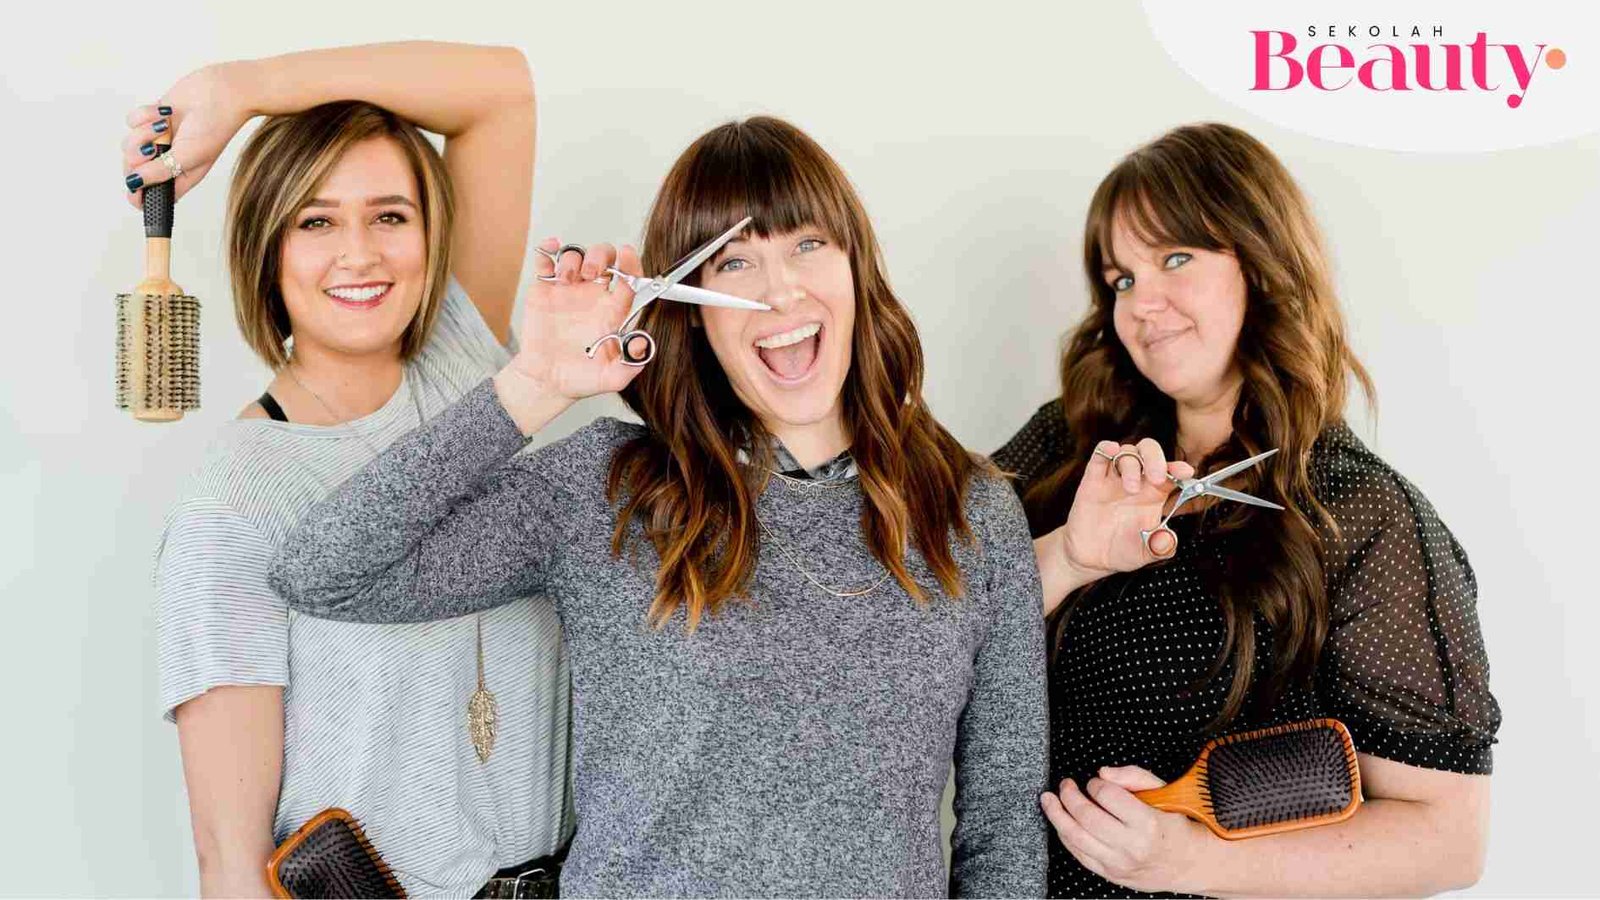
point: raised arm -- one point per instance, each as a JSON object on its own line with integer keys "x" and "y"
{"x": 446, "y": 522}
{"x": 1111, "y": 505}
{"x": 480, "y": 99}
{"x": 1002, "y": 744}
{"x": 443, "y": 524}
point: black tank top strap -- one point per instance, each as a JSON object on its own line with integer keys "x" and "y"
{"x": 274, "y": 411}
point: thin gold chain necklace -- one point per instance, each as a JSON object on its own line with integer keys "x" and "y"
{"x": 482, "y": 711}
{"x": 806, "y": 484}
{"x": 794, "y": 561}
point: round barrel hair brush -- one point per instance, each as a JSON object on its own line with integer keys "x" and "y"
{"x": 1268, "y": 781}
{"x": 158, "y": 325}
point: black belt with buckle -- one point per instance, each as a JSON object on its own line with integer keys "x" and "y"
{"x": 536, "y": 878}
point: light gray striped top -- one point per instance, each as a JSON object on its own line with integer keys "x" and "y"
{"x": 374, "y": 715}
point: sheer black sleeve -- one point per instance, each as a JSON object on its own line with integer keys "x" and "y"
{"x": 1404, "y": 664}
{"x": 1037, "y": 450}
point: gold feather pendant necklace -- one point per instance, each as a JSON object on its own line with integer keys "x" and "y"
{"x": 483, "y": 714}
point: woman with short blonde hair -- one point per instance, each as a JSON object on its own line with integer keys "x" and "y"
{"x": 375, "y": 276}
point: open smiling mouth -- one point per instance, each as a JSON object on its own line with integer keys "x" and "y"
{"x": 359, "y": 296}
{"x": 791, "y": 356}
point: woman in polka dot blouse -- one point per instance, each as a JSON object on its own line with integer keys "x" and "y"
{"x": 1214, "y": 334}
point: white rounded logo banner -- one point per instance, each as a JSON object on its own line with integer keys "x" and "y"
{"x": 1467, "y": 75}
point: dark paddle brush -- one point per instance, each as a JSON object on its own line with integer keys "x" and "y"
{"x": 330, "y": 856}
{"x": 1268, "y": 781}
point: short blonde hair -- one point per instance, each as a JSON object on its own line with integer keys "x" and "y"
{"x": 278, "y": 173}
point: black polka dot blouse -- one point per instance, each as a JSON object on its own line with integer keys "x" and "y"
{"x": 1403, "y": 665}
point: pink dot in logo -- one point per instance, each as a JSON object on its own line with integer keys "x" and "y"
{"x": 1514, "y": 101}
{"x": 1555, "y": 58}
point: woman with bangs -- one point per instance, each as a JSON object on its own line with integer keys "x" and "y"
{"x": 1213, "y": 334}
{"x": 792, "y": 600}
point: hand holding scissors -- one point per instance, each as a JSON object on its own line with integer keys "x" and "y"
{"x": 1191, "y": 488}
{"x": 636, "y": 346}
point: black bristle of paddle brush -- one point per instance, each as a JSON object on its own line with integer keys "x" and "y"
{"x": 1291, "y": 774}
{"x": 337, "y": 861}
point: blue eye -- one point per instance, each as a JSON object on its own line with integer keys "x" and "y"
{"x": 809, "y": 244}
{"x": 1175, "y": 260}
{"x": 1122, "y": 283}
{"x": 734, "y": 264}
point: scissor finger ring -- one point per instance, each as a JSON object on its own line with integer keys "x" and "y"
{"x": 1147, "y": 535}
{"x": 1128, "y": 453}
{"x": 556, "y": 258}
{"x": 626, "y": 342}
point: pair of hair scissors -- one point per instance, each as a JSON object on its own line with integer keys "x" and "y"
{"x": 1190, "y": 488}
{"x": 646, "y": 290}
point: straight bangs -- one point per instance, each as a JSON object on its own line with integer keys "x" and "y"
{"x": 1163, "y": 204}
{"x": 779, "y": 182}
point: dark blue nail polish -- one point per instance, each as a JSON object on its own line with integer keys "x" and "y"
{"x": 134, "y": 181}
{"x": 164, "y": 110}
{"x": 159, "y": 126}
{"x": 148, "y": 149}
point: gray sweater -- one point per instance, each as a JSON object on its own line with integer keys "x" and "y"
{"x": 797, "y": 744}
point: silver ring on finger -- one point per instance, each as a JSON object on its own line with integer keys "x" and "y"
{"x": 172, "y": 164}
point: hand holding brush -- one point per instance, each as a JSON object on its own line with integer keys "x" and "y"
{"x": 1246, "y": 785}
{"x": 158, "y": 325}
{"x": 196, "y": 118}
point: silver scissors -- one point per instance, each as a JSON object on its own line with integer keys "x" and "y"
{"x": 1190, "y": 488}
{"x": 646, "y": 290}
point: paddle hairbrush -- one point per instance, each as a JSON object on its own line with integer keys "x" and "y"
{"x": 158, "y": 326}
{"x": 1268, "y": 781}
{"x": 330, "y": 856}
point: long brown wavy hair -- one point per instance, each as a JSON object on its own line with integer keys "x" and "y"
{"x": 1214, "y": 187}
{"x": 682, "y": 480}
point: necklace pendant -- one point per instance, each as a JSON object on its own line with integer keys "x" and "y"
{"x": 482, "y": 719}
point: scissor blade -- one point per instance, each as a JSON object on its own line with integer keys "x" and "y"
{"x": 1230, "y": 471}
{"x": 687, "y": 267}
{"x": 684, "y": 293}
{"x": 1239, "y": 497}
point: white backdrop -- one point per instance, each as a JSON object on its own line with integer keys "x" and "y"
{"x": 975, "y": 137}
